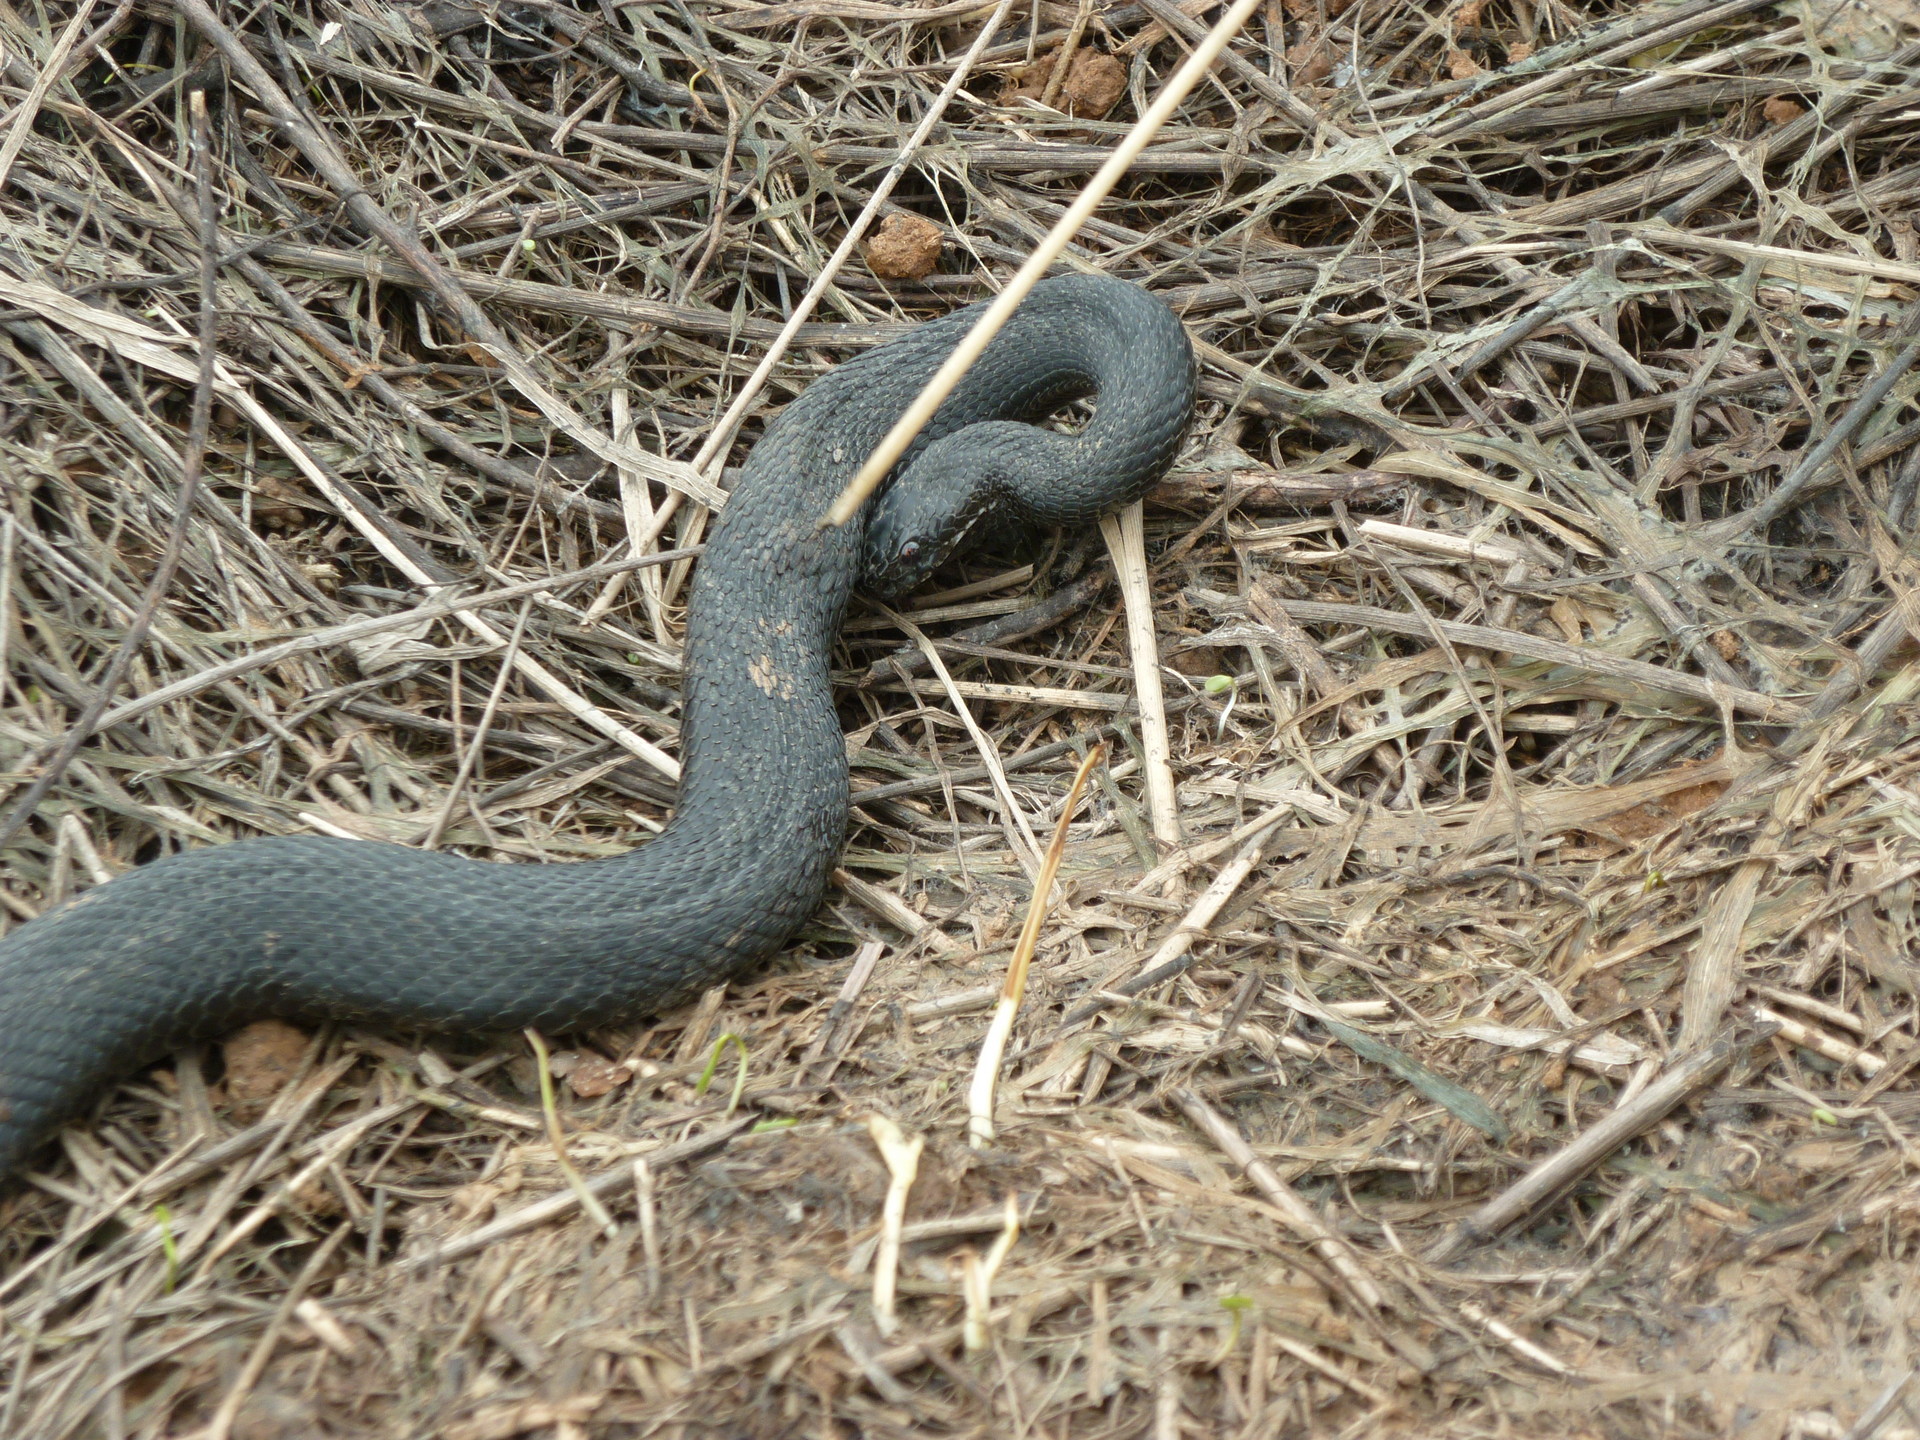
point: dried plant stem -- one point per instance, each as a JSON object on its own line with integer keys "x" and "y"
{"x": 320, "y": 151}
{"x": 1573, "y": 1160}
{"x": 976, "y": 1281}
{"x": 192, "y": 463}
{"x": 561, "y": 1202}
{"x": 1514, "y": 1340}
{"x": 1173, "y": 954}
{"x": 1881, "y": 1410}
{"x": 1018, "y": 831}
{"x": 441, "y": 604}
{"x": 1555, "y": 652}
{"x": 221, "y": 1425}
{"x": 20, "y": 122}
{"x": 648, "y": 1214}
{"x": 1865, "y": 1061}
{"x": 902, "y": 1157}
{"x": 1063, "y": 58}
{"x": 994, "y": 1046}
{"x": 1785, "y": 495}
{"x": 477, "y": 741}
{"x": 1299, "y": 1215}
{"x": 1713, "y": 969}
{"x": 1126, "y": 542}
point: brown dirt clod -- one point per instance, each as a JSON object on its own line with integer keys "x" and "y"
{"x": 904, "y": 247}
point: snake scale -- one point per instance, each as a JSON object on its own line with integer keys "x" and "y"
{"x": 310, "y": 927}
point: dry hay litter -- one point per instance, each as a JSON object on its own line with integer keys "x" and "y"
{"x": 1510, "y": 1030}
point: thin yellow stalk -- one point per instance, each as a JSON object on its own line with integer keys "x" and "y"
{"x": 994, "y": 1048}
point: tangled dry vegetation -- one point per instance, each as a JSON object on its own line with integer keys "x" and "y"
{"x": 1518, "y": 1035}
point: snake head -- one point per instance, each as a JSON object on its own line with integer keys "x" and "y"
{"x": 926, "y": 514}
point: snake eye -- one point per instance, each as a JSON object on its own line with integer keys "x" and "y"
{"x": 910, "y": 549}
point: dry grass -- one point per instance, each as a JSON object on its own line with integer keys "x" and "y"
{"x": 1548, "y": 1069}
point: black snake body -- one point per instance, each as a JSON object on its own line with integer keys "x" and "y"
{"x": 307, "y": 927}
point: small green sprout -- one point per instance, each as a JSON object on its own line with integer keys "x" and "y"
{"x": 713, "y": 1064}
{"x": 1236, "y": 1307}
{"x": 170, "y": 1248}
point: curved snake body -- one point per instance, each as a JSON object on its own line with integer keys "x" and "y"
{"x": 312, "y": 927}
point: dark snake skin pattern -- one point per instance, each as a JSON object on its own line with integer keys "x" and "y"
{"x": 307, "y": 927}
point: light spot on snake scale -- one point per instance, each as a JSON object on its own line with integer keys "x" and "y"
{"x": 768, "y": 677}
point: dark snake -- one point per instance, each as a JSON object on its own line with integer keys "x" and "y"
{"x": 310, "y": 927}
